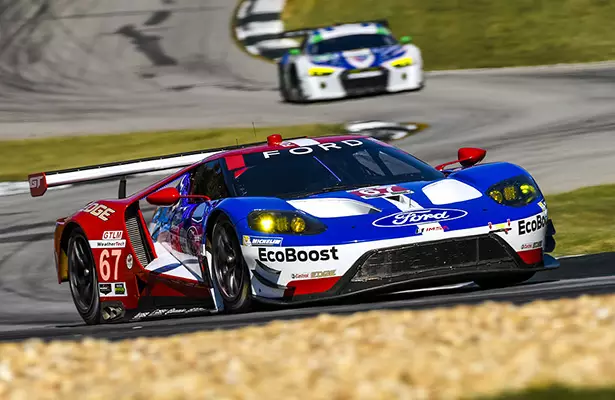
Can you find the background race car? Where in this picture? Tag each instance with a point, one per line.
(349, 60)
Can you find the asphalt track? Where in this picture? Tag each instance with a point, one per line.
(86, 66)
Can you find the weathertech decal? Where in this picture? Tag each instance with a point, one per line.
(416, 217)
(108, 244)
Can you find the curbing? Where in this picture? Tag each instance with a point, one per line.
(258, 28)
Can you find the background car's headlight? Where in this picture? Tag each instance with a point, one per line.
(515, 192)
(320, 71)
(402, 62)
(288, 222)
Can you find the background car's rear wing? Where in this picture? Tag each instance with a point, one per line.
(41, 181)
(304, 31)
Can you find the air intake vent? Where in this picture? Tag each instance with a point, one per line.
(137, 237)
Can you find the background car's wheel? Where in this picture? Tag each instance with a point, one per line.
(282, 84)
(295, 92)
(229, 269)
(505, 280)
(82, 278)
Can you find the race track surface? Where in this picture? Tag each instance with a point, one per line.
(88, 66)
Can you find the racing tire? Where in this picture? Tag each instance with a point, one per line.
(82, 278)
(229, 269)
(282, 85)
(295, 93)
(505, 280)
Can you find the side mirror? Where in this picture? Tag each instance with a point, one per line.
(294, 52)
(467, 157)
(164, 197)
(405, 39)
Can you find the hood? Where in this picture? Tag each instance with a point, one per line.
(359, 59)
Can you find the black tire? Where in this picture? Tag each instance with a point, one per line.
(295, 93)
(229, 269)
(82, 278)
(282, 84)
(505, 280)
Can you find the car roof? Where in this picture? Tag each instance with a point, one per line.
(348, 30)
(276, 142)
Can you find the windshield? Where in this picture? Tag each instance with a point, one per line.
(354, 42)
(303, 171)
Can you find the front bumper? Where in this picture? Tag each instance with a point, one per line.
(349, 83)
(420, 265)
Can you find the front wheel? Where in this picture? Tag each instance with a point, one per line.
(230, 271)
(504, 280)
(82, 278)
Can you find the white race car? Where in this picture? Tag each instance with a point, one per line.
(349, 60)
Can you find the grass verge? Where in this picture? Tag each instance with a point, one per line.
(480, 33)
(18, 158)
(557, 392)
(584, 220)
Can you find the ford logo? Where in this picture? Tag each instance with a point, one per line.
(415, 217)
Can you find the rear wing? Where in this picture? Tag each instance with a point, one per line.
(41, 181)
(305, 31)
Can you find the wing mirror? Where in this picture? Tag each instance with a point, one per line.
(467, 157)
(169, 196)
(405, 39)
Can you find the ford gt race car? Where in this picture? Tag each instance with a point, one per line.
(293, 221)
(348, 60)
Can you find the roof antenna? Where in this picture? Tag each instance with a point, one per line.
(254, 129)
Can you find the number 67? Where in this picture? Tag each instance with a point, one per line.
(105, 266)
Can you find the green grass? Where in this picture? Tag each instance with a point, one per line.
(584, 220)
(18, 158)
(556, 393)
(480, 33)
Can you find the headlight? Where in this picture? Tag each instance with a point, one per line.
(320, 71)
(402, 62)
(515, 192)
(288, 222)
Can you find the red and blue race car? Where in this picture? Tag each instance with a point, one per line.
(292, 221)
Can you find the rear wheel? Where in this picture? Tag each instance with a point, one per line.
(82, 278)
(295, 92)
(230, 271)
(505, 280)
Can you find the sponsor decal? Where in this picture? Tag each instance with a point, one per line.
(532, 225)
(168, 311)
(322, 274)
(533, 245)
(108, 244)
(303, 275)
(430, 228)
(129, 261)
(120, 289)
(261, 241)
(35, 181)
(380, 191)
(543, 205)
(503, 227)
(113, 289)
(416, 217)
(293, 255)
(104, 288)
(302, 150)
(112, 235)
(99, 210)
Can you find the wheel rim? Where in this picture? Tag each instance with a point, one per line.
(81, 274)
(228, 267)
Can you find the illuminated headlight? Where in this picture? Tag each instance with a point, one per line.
(321, 71)
(288, 222)
(515, 192)
(402, 62)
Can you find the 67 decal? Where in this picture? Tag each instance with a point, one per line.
(108, 264)
(380, 191)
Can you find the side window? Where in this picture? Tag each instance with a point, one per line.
(208, 180)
